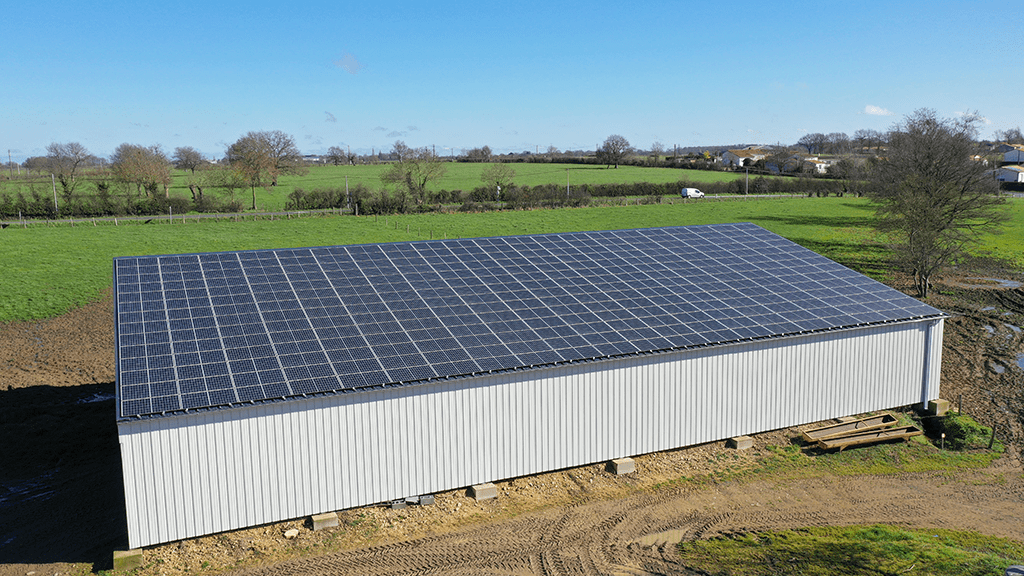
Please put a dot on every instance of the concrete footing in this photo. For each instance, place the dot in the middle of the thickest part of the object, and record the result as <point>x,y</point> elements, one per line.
<point>484,491</point>
<point>427,500</point>
<point>127,560</point>
<point>621,466</point>
<point>740,442</point>
<point>325,520</point>
<point>938,407</point>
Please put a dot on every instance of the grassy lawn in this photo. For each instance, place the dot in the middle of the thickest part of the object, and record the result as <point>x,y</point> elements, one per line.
<point>47,270</point>
<point>458,176</point>
<point>854,551</point>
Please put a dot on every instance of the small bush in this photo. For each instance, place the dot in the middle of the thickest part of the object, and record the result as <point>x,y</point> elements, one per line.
<point>963,432</point>
<point>482,194</point>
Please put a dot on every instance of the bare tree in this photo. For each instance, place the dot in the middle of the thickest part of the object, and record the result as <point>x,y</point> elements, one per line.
<point>837,143</point>
<point>1010,136</point>
<point>285,154</point>
<point>614,150</point>
<point>479,154</point>
<point>39,164</point>
<point>187,158</point>
<point>933,199</point>
<point>814,143</point>
<point>335,155</point>
<point>147,168</point>
<point>499,175</point>
<point>849,171</point>
<point>253,158</point>
<point>782,160</point>
<point>229,178</point>
<point>64,162</point>
<point>657,149</point>
<point>400,150</point>
<point>417,168</point>
<point>865,140</point>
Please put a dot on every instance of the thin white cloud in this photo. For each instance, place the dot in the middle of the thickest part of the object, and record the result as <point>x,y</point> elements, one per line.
<point>330,117</point>
<point>876,111</point>
<point>348,63</point>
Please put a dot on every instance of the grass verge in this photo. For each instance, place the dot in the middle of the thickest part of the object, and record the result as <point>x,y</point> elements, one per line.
<point>853,551</point>
<point>47,270</point>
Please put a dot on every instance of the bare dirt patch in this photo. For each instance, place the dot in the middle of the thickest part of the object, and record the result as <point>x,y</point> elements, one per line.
<point>70,350</point>
<point>61,497</point>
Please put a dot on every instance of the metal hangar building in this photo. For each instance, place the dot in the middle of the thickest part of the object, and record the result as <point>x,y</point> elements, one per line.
<point>259,386</point>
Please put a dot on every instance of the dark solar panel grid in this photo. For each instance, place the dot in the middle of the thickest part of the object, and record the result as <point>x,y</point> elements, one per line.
<point>204,330</point>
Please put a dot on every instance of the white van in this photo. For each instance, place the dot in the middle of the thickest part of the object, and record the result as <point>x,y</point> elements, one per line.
<point>691,193</point>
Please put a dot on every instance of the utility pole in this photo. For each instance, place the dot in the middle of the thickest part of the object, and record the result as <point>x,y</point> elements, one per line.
<point>10,165</point>
<point>567,183</point>
<point>54,183</point>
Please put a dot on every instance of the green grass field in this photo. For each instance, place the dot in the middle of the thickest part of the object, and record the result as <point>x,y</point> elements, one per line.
<point>853,550</point>
<point>458,176</point>
<point>48,270</point>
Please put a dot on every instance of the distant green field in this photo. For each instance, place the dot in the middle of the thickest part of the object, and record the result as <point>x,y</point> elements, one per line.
<point>45,271</point>
<point>458,176</point>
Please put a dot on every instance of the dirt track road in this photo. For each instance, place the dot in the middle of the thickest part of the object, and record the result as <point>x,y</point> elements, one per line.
<point>635,535</point>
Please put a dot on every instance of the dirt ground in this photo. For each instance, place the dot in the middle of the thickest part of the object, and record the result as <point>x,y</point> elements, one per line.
<point>62,509</point>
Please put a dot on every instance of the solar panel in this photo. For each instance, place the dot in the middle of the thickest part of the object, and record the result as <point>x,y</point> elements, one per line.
<point>199,331</point>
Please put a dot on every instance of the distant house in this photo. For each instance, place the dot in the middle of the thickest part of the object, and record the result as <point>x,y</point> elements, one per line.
<point>1004,147</point>
<point>1015,154</point>
<point>740,158</point>
<point>1010,174</point>
<point>799,163</point>
<point>816,165</point>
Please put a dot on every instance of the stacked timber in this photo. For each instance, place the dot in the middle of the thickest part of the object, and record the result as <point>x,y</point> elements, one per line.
<point>868,430</point>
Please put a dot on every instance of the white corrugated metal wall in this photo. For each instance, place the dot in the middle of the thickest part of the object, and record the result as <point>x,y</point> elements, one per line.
<point>219,470</point>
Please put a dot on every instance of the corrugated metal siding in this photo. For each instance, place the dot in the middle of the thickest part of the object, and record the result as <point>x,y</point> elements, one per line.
<point>224,469</point>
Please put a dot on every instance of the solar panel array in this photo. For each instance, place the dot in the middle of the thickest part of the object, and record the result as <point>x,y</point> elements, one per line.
<point>205,330</point>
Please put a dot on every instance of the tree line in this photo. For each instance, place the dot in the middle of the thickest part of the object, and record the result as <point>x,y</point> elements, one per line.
<point>933,196</point>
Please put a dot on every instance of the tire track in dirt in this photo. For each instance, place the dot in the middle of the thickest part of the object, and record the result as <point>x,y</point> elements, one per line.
<point>606,537</point>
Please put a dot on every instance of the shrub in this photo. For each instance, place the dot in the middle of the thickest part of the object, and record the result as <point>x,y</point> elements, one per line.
<point>962,431</point>
<point>483,194</point>
<point>380,201</point>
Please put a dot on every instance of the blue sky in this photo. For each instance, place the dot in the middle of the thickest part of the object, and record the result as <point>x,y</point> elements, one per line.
<point>515,76</point>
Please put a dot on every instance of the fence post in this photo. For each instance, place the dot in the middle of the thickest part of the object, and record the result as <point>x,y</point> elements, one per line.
<point>992,438</point>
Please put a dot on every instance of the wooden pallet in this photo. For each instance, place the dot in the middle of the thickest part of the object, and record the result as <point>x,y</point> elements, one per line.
<point>883,420</point>
<point>872,437</point>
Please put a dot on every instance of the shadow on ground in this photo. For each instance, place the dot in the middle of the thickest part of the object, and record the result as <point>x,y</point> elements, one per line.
<point>873,260</point>
<point>61,489</point>
<point>868,220</point>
